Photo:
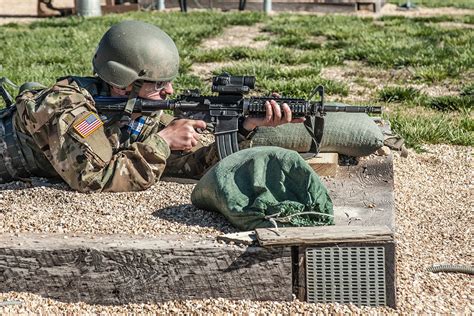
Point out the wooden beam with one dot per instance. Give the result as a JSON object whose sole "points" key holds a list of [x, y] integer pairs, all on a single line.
{"points": [[324, 164], [363, 194], [119, 270], [244, 238], [296, 236]]}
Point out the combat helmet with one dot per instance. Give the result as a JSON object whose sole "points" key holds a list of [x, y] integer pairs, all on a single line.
{"points": [[132, 51]]}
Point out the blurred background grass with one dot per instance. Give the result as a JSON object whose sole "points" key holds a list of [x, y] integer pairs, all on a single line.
{"points": [[435, 51]]}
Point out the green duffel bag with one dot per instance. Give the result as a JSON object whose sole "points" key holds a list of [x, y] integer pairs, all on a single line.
{"points": [[265, 187], [352, 134]]}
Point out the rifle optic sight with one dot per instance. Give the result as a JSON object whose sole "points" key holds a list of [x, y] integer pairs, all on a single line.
{"points": [[227, 84]]}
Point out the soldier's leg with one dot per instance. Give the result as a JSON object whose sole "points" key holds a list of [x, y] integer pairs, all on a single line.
{"points": [[191, 165]]}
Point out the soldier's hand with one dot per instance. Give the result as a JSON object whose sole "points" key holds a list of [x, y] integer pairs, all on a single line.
{"points": [[275, 115], [182, 134]]}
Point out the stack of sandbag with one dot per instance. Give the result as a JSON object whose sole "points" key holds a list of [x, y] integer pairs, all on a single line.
{"points": [[267, 186]]}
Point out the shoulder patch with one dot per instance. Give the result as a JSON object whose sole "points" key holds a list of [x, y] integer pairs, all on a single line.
{"points": [[88, 124]]}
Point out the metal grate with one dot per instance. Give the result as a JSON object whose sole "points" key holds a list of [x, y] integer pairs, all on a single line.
{"points": [[346, 275]]}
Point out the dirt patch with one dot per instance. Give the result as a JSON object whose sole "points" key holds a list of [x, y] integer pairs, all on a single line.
{"points": [[454, 25], [16, 20], [364, 82], [205, 70], [238, 35], [392, 9], [318, 39]]}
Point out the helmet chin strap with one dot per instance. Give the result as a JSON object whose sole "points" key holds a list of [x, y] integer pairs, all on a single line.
{"points": [[127, 112], [132, 99]]}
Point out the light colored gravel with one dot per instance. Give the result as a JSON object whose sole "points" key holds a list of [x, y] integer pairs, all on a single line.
{"points": [[52, 208], [434, 216], [435, 213], [38, 305]]}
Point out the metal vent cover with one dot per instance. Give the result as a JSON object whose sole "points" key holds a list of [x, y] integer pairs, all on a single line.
{"points": [[346, 275]]}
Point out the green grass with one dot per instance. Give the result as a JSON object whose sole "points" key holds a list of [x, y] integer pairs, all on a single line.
{"points": [[289, 81], [433, 128], [300, 47], [399, 43], [46, 50], [398, 94], [413, 97]]}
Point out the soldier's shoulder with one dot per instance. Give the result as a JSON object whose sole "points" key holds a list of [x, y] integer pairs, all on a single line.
{"points": [[62, 95]]}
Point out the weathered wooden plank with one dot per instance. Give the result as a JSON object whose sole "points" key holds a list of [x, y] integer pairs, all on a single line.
{"points": [[363, 194], [324, 164], [118, 270], [294, 236], [245, 238]]}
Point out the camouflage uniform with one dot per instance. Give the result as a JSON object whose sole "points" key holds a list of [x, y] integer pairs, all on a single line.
{"points": [[102, 156]]}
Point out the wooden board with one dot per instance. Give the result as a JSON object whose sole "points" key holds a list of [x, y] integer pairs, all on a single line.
{"points": [[324, 164], [244, 238], [294, 236], [120, 270], [363, 194]]}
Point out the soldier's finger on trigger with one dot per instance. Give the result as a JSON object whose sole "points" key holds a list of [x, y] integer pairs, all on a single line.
{"points": [[198, 124], [197, 136]]}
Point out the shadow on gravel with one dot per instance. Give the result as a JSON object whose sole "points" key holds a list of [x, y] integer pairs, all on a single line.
{"points": [[189, 215], [35, 183]]}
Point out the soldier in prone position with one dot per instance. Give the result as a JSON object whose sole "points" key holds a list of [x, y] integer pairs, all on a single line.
{"points": [[58, 131]]}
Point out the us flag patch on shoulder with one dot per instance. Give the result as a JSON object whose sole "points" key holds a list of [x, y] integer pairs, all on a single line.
{"points": [[88, 125]]}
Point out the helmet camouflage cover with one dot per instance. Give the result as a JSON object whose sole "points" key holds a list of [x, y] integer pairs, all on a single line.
{"points": [[135, 50]]}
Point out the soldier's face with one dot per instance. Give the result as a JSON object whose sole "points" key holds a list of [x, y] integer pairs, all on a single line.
{"points": [[149, 90], [156, 90]]}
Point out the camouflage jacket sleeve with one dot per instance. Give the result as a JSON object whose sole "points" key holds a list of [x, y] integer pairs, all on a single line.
{"points": [[64, 124]]}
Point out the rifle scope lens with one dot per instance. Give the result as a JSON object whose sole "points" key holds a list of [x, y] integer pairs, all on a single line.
{"points": [[248, 81], [238, 81]]}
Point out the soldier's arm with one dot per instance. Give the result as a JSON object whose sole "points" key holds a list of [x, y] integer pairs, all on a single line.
{"points": [[70, 134], [196, 163]]}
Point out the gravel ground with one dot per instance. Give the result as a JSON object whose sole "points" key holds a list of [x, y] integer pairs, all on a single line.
{"points": [[434, 209], [433, 203], [52, 208]]}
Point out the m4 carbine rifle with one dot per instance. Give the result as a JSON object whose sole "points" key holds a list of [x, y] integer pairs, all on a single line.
{"points": [[225, 109]]}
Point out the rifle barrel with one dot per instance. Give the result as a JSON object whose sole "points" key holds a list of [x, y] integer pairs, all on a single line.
{"points": [[118, 104], [353, 109]]}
